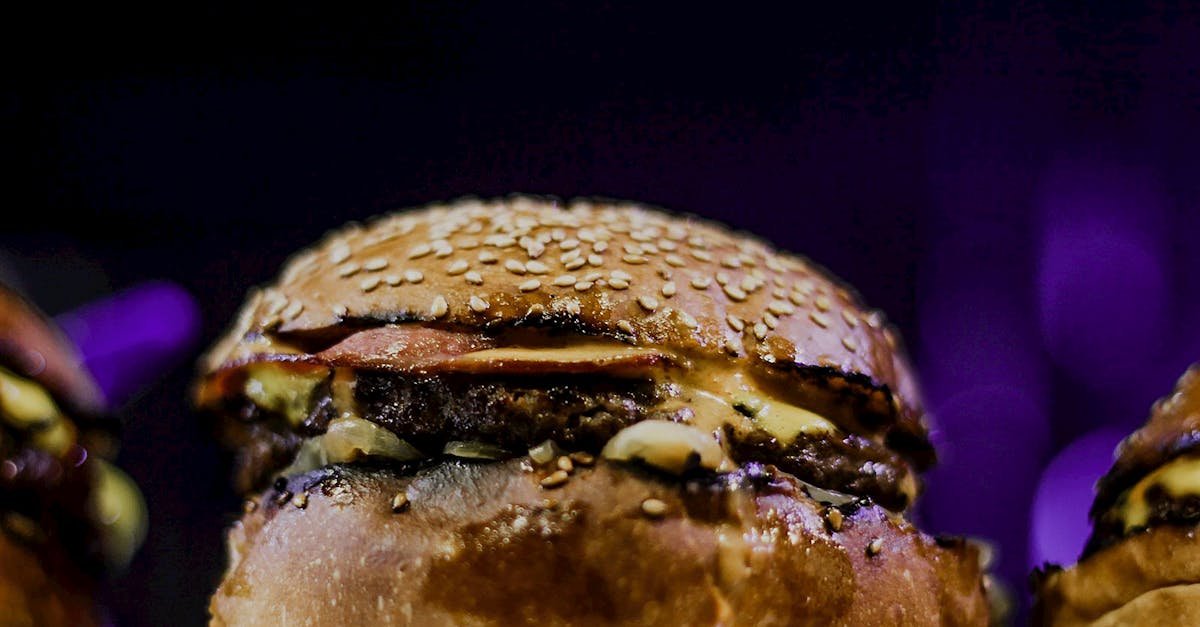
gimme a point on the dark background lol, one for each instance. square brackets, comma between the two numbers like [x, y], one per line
[1014, 184]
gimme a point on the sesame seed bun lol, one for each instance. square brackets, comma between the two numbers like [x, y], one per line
[486, 544]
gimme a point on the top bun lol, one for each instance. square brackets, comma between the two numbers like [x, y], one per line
[32, 347]
[600, 267]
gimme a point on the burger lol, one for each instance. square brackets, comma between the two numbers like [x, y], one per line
[1141, 564]
[520, 412]
[67, 516]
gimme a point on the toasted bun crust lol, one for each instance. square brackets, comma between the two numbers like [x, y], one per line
[32, 347]
[1173, 428]
[616, 269]
[1144, 572]
[39, 590]
[486, 544]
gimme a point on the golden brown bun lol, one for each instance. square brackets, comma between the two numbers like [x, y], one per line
[656, 280]
[485, 544]
[32, 347]
[1132, 570]
[40, 590]
[1173, 428]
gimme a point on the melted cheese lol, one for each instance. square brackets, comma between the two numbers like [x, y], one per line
[283, 390]
[1178, 478]
[24, 404]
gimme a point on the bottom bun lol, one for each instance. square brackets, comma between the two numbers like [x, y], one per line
[34, 592]
[489, 543]
[1146, 572]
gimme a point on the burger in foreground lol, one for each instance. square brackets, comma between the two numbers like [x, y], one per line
[512, 412]
[1142, 564]
[66, 515]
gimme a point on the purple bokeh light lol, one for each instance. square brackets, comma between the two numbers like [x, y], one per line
[992, 439]
[1059, 525]
[1103, 277]
[130, 338]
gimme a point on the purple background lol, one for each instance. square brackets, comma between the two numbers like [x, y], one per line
[1014, 185]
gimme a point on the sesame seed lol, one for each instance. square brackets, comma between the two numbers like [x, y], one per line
[722, 279]
[565, 464]
[821, 319]
[851, 319]
[554, 479]
[575, 264]
[875, 547]
[734, 293]
[530, 285]
[249, 506]
[634, 260]
[760, 330]
[797, 299]
[375, 264]
[667, 245]
[735, 323]
[668, 289]
[731, 262]
[582, 458]
[565, 280]
[420, 250]
[770, 320]
[697, 242]
[632, 249]
[620, 274]
[850, 344]
[780, 308]
[339, 253]
[348, 269]
[292, 310]
[731, 346]
[569, 244]
[834, 517]
[600, 246]
[688, 320]
[573, 307]
[701, 255]
[536, 267]
[749, 284]
[473, 277]
[399, 503]
[618, 284]
[701, 282]
[535, 249]
[822, 303]
[369, 283]
[300, 500]
[340, 310]
[649, 303]
[674, 260]
[625, 326]
[457, 267]
[393, 279]
[514, 266]
[654, 508]
[413, 276]
[595, 260]
[584, 286]
[487, 256]
[477, 304]
[570, 255]
[439, 307]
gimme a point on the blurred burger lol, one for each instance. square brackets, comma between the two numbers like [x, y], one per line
[66, 514]
[515, 412]
[1141, 565]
